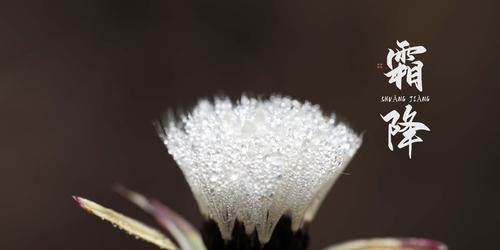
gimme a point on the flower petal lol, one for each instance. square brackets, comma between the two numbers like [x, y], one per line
[184, 233]
[127, 224]
[389, 244]
[256, 160]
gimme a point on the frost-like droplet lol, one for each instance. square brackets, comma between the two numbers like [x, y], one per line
[254, 160]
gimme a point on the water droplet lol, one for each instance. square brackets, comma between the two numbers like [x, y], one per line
[248, 128]
[276, 159]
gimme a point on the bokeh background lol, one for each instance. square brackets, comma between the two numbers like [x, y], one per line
[81, 82]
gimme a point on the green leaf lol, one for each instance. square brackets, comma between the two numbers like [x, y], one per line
[127, 224]
[183, 232]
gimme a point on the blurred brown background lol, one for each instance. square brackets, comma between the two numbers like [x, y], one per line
[81, 81]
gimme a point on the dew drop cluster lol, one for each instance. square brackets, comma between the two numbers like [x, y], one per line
[256, 160]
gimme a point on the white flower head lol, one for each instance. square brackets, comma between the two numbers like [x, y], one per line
[257, 160]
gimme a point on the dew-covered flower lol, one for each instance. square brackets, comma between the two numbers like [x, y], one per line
[258, 169]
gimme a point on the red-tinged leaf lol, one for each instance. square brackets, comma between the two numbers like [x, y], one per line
[389, 244]
[127, 224]
[183, 232]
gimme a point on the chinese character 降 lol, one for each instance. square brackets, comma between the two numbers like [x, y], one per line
[407, 127]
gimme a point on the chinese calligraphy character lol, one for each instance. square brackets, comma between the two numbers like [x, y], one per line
[413, 74]
[408, 128]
